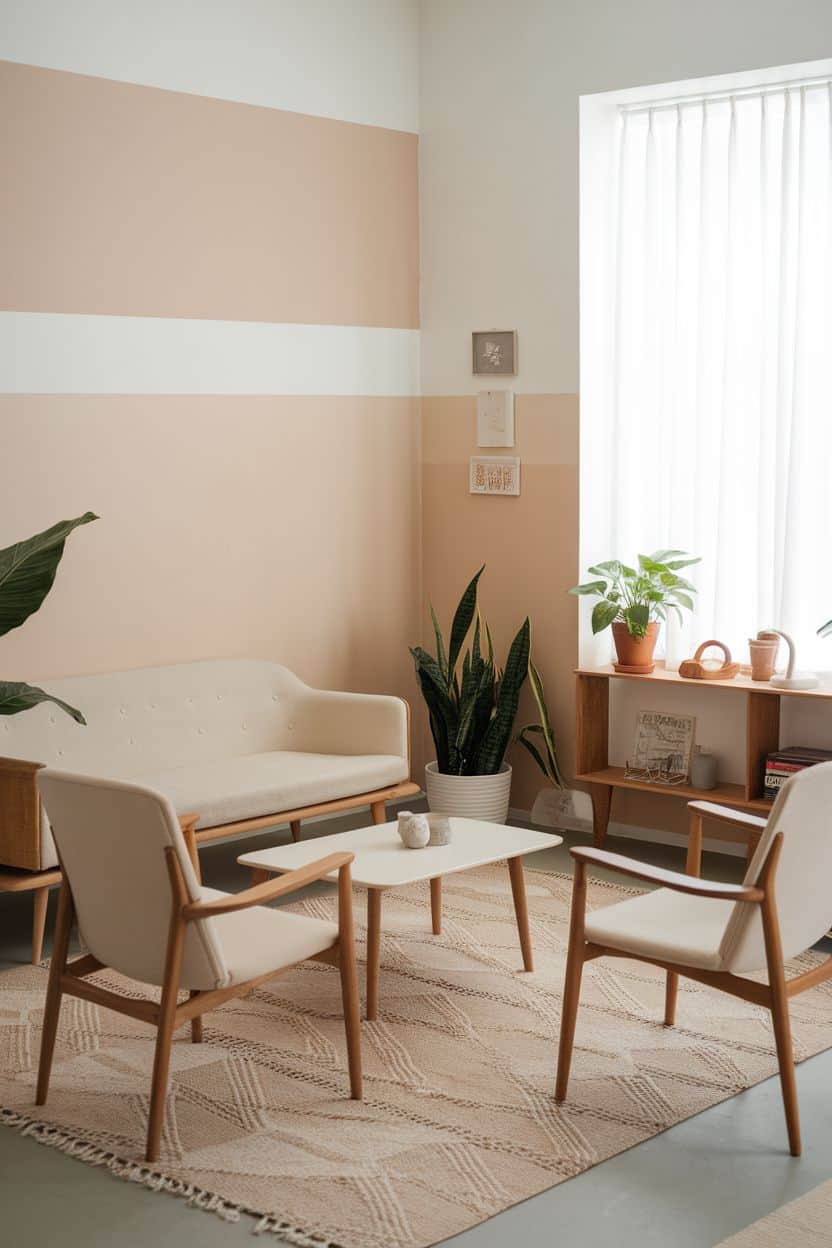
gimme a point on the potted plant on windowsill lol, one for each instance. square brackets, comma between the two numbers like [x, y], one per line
[472, 707]
[635, 601]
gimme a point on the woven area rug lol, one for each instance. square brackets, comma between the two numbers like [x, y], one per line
[458, 1120]
[804, 1223]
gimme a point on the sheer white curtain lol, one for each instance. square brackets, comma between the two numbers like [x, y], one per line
[714, 433]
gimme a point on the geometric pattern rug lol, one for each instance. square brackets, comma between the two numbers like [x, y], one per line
[804, 1223]
[458, 1121]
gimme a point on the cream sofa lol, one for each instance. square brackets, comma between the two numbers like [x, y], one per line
[243, 743]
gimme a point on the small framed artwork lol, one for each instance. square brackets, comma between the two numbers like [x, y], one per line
[662, 748]
[494, 474]
[495, 351]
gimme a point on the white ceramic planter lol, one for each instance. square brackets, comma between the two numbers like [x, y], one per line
[472, 797]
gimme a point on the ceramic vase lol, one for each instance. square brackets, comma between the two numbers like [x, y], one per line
[763, 649]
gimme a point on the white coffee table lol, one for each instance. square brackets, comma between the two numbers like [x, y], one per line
[382, 862]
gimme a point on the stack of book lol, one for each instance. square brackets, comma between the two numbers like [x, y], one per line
[781, 765]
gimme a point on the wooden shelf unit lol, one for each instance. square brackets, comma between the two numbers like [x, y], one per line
[762, 735]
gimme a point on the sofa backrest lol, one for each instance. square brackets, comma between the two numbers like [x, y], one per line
[149, 719]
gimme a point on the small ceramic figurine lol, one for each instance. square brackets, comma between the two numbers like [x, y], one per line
[703, 770]
[698, 668]
[440, 829]
[413, 829]
[763, 649]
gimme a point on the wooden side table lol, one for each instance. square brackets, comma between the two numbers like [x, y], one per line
[762, 735]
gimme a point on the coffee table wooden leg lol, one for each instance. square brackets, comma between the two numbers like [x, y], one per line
[436, 905]
[259, 875]
[373, 949]
[518, 892]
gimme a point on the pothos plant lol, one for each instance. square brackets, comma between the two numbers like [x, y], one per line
[27, 571]
[638, 596]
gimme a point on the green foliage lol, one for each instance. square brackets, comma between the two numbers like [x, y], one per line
[542, 748]
[471, 704]
[27, 571]
[637, 596]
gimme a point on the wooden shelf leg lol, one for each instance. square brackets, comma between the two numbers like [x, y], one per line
[601, 803]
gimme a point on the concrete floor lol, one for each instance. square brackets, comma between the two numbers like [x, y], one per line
[690, 1187]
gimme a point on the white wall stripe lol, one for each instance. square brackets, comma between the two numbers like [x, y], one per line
[57, 353]
[354, 60]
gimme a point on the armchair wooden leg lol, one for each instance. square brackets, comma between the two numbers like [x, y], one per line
[670, 992]
[54, 993]
[166, 1025]
[295, 829]
[40, 904]
[572, 984]
[436, 905]
[379, 812]
[779, 999]
[349, 981]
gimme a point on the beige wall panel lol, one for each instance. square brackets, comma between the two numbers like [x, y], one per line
[130, 200]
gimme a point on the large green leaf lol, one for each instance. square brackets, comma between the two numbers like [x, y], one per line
[28, 569]
[463, 616]
[522, 738]
[15, 696]
[495, 743]
[440, 644]
[603, 614]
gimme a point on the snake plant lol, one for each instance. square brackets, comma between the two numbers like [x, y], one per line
[542, 747]
[27, 571]
[472, 704]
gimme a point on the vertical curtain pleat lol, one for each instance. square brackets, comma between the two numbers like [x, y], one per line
[717, 430]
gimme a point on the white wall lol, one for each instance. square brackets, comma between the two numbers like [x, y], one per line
[499, 151]
[356, 60]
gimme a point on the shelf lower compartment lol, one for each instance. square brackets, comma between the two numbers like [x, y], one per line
[723, 794]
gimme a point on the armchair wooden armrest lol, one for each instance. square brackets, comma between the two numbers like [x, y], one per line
[260, 894]
[666, 879]
[725, 814]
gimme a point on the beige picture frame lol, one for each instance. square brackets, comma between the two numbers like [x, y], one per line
[494, 352]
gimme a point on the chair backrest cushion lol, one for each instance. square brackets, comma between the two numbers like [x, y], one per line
[144, 721]
[112, 837]
[803, 813]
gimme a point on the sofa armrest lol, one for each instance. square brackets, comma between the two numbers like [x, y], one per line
[329, 722]
[20, 822]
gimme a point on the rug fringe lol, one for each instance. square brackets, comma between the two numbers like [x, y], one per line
[137, 1172]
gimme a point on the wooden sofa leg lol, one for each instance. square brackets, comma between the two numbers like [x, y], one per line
[40, 903]
[295, 826]
[196, 1021]
[670, 992]
[379, 811]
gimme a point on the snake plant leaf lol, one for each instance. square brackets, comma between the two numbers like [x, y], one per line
[28, 569]
[545, 724]
[463, 616]
[440, 709]
[543, 764]
[15, 696]
[496, 740]
[441, 657]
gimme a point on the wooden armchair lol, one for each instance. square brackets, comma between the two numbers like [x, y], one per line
[715, 933]
[131, 879]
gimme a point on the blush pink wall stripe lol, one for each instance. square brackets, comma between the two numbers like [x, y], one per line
[128, 200]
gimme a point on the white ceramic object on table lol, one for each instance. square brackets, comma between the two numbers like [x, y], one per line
[414, 829]
[471, 797]
[440, 829]
[792, 679]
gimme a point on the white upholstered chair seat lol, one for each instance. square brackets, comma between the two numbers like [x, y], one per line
[665, 925]
[224, 790]
[259, 939]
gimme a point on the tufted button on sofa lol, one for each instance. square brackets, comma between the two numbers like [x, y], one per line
[242, 742]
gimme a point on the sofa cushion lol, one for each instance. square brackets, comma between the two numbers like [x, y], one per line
[246, 787]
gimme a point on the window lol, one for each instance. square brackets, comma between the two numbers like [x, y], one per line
[706, 370]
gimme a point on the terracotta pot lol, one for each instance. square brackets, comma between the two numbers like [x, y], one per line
[635, 654]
